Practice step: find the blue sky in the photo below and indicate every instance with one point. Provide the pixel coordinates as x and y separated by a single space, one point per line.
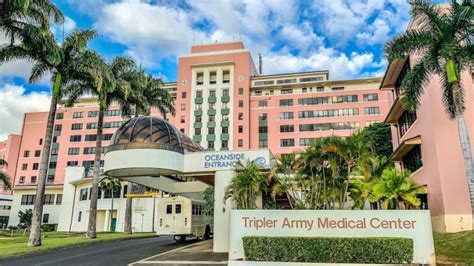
344 36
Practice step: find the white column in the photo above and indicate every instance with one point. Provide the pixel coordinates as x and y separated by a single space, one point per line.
67 220
107 220
221 211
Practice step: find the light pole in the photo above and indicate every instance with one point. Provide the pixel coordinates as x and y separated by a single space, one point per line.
142 221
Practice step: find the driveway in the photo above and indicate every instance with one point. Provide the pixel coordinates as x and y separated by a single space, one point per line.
120 252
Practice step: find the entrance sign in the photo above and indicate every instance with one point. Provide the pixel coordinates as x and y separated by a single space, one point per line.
414 224
224 160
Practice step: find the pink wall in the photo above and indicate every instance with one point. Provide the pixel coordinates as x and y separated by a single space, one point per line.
273 112
213 47
443 169
9 150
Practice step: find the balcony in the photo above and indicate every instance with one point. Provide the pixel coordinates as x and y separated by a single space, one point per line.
197 125
263 136
404 148
198 100
211 112
225 111
211 137
262 123
225 99
224 123
197 112
224 136
57 133
212 99
211 124
197 138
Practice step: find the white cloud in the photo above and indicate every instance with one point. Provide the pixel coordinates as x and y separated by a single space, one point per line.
14 103
339 65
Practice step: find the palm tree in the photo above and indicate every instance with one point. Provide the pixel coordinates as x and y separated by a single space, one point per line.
396 187
111 86
284 175
111 184
146 93
443 40
64 62
17 15
248 183
4 178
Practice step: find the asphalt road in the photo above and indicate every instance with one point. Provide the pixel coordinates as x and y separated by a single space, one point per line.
120 252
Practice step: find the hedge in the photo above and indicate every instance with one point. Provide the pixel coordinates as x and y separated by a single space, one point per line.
381 250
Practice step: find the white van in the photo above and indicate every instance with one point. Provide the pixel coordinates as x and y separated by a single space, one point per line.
182 217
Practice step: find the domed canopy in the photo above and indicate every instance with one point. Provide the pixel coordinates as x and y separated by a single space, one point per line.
148 132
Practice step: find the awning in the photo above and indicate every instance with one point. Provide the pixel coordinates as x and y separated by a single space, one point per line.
392 73
404 148
396 110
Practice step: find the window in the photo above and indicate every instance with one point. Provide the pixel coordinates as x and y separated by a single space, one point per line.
314 101
197 131
48 199
33 179
405 121
169 209
226 76
59 199
198 119
113 124
304 90
28 199
337 88
286 102
24 166
241 129
287 142
225 130
213 77
113 113
306 141
45 218
212 106
183 107
22 180
183 95
263 143
286 81
241 103
287 128
198 107
241 116
262 103
177 209
58 127
26 154
182 119
225 144
76 126
262 117
329 113
286 115
54 151
262 129
344 99
319 89
241 91
212 118
83 193
240 142
50 179
212 93
41 142
210 144
328 126
199 78
225 105
91 126
73 151
91 137
413 159
371 97
75 138
35 166
125 191
37 153
93 114
258 93
72 163
79 216
286 91
225 117
372 110
311 79
225 92
198 94
211 131
77 115
59 116
182 130
52 165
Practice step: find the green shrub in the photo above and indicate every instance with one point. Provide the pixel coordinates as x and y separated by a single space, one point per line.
49 227
329 249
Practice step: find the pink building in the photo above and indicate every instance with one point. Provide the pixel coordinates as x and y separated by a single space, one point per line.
9 150
427 143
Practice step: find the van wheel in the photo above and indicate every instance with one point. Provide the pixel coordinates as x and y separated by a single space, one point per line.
182 239
207 233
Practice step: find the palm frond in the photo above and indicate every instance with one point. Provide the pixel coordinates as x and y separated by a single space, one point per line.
402 45
413 84
38 70
427 15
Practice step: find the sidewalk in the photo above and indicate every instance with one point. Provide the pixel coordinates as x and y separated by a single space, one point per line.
199 253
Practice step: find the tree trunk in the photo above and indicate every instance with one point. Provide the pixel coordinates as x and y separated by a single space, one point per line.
92 226
111 211
128 211
35 233
464 141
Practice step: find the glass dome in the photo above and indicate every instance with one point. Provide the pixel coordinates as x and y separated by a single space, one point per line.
149 132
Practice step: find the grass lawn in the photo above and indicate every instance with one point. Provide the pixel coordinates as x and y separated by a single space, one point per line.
454 247
53 240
